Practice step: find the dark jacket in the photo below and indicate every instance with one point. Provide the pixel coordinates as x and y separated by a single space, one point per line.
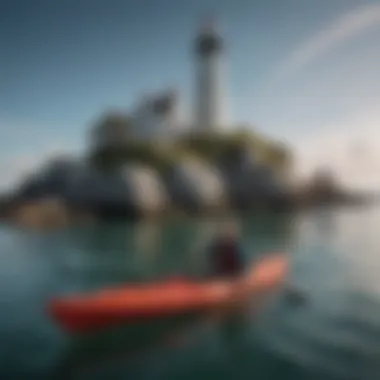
227 258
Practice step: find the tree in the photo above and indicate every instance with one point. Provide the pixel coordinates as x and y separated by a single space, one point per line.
112 129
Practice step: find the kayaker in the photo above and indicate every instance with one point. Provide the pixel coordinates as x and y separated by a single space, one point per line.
226 256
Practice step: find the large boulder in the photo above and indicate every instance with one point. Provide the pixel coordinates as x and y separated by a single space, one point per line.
129 192
145 188
195 185
250 182
52 180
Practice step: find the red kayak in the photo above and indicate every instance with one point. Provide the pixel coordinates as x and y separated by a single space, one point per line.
87 312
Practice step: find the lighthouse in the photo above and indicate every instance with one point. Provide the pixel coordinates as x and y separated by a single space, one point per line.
210 109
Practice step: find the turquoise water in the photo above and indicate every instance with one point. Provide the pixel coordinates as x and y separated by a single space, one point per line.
335 257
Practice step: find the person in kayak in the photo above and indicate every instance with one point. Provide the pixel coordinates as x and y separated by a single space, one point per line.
226 255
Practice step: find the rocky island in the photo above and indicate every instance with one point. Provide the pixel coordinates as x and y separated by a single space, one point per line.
188 175
143 163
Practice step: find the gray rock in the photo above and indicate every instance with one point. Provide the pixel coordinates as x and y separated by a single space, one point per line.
52 180
145 188
133 190
195 185
249 181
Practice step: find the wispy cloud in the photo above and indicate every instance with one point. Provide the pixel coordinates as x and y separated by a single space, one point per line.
341 30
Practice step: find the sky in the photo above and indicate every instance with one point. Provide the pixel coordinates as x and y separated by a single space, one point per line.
304 72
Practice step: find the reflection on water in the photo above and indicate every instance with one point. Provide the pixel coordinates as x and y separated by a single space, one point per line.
147 242
207 342
338 333
335 335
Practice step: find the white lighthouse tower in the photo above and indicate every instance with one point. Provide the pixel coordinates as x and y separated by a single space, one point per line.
210 110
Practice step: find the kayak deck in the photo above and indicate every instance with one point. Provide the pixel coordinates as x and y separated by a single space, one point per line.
80 313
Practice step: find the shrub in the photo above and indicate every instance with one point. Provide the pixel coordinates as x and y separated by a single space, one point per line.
209 147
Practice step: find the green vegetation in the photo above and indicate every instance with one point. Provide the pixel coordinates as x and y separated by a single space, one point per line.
136 152
218 146
112 123
164 155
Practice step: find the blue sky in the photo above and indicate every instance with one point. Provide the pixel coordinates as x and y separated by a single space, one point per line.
305 72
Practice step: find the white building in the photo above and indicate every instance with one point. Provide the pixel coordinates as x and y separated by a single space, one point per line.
156 116
210 102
